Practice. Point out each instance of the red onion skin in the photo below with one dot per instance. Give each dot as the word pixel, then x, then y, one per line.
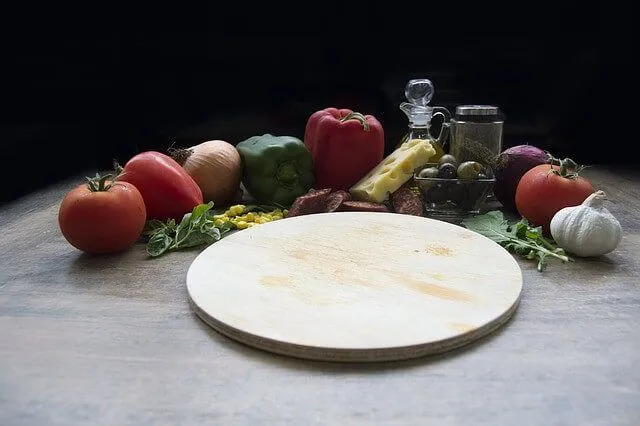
pixel 511 165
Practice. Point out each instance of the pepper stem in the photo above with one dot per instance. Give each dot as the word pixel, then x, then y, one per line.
pixel 357 116
pixel 287 173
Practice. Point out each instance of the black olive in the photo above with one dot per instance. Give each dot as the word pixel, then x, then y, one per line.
pixel 448 158
pixel 429 172
pixel 447 171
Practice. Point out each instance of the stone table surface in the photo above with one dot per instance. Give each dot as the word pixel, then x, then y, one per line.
pixel 112 340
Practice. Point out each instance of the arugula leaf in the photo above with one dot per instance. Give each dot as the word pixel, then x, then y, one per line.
pixel 518 237
pixel 196 228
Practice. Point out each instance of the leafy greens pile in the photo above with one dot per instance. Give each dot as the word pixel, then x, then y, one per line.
pixel 518 237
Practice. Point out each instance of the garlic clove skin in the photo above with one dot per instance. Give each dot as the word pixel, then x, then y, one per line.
pixel 588 229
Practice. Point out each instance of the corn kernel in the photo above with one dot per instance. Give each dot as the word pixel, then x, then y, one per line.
pixel 219 222
pixel 250 224
pixel 250 217
pixel 285 212
pixel 258 220
pixel 234 210
pixel 219 216
pixel 241 224
pixel 276 217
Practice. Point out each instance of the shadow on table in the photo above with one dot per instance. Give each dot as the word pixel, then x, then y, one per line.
pixel 348 367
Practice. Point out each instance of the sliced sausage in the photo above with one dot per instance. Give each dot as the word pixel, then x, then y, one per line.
pixel 335 200
pixel 363 206
pixel 310 203
pixel 405 201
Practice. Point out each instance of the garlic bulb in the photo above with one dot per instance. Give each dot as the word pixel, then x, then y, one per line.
pixel 588 229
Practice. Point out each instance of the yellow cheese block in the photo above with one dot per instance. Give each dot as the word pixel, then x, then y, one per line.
pixel 395 170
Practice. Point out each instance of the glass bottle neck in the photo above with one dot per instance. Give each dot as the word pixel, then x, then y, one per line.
pixel 419 132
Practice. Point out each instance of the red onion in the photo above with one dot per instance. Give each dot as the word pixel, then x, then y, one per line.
pixel 510 165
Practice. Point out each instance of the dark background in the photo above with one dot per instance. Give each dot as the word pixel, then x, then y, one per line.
pixel 81 87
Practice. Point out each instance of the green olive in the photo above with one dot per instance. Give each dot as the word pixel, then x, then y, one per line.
pixel 448 158
pixel 429 172
pixel 469 170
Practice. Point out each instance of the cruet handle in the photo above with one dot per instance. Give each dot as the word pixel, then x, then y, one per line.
pixel 443 136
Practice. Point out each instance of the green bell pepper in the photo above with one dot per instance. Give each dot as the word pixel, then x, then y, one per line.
pixel 276 169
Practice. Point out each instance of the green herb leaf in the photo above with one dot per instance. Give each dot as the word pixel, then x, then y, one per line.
pixel 199 238
pixel 518 237
pixel 154 225
pixel 195 229
pixel 158 244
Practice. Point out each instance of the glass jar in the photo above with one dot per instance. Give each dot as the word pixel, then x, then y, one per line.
pixel 476 134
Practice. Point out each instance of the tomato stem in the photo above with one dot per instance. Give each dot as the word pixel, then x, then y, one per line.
pixel 99 183
pixel 567 167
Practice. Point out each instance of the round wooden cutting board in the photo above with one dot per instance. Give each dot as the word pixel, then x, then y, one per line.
pixel 355 286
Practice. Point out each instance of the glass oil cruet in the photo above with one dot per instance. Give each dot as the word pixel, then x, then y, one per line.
pixel 418 93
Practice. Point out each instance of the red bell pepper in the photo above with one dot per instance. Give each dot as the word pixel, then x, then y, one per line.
pixel 345 146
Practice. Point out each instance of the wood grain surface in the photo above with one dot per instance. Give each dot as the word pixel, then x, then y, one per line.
pixel 113 341
pixel 355 286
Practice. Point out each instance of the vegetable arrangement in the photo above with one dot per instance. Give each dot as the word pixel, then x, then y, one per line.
pixel 192 197
pixel 561 212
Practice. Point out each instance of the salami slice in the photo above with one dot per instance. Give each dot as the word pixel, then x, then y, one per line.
pixel 310 203
pixel 335 200
pixel 363 206
pixel 405 201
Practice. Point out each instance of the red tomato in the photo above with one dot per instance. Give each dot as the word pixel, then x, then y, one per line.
pixel 103 221
pixel 166 187
pixel 541 194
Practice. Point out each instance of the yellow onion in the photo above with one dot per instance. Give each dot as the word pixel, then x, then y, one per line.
pixel 216 167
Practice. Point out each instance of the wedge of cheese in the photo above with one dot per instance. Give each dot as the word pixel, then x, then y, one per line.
pixel 393 171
